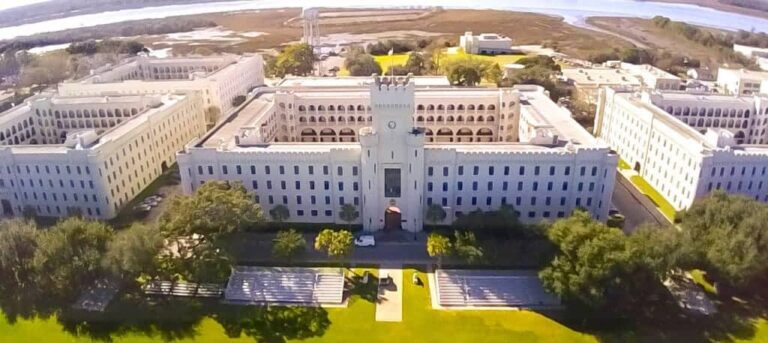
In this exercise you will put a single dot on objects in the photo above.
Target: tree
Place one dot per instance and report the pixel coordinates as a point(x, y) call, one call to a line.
point(17, 251)
point(133, 251)
point(279, 213)
point(348, 213)
point(417, 64)
point(216, 209)
point(238, 100)
point(358, 63)
point(287, 244)
point(68, 256)
point(494, 74)
point(438, 246)
point(296, 59)
point(212, 114)
point(466, 247)
point(465, 71)
point(337, 244)
point(727, 236)
point(590, 254)
point(435, 214)
point(195, 225)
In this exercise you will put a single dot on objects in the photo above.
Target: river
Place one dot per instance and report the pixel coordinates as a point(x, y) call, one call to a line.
point(573, 11)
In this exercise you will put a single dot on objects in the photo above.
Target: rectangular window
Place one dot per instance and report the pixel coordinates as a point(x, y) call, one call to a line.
point(445, 171)
point(490, 170)
point(460, 185)
point(522, 170)
point(224, 170)
point(239, 170)
point(461, 170)
point(430, 171)
point(298, 185)
point(458, 201)
point(295, 170)
point(340, 171)
point(392, 182)
point(311, 170)
point(281, 170)
point(354, 170)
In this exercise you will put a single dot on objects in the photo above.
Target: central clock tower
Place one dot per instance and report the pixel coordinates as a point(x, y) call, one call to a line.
point(392, 159)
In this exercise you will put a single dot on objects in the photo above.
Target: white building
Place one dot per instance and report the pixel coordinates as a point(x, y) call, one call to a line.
point(219, 79)
point(741, 81)
point(760, 55)
point(392, 147)
point(90, 155)
point(485, 43)
point(589, 81)
point(686, 145)
point(652, 77)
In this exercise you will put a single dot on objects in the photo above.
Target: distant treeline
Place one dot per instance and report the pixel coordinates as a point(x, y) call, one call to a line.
point(761, 5)
point(708, 38)
point(54, 9)
point(125, 29)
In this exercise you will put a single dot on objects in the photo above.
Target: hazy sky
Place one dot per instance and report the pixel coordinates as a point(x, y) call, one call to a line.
point(15, 3)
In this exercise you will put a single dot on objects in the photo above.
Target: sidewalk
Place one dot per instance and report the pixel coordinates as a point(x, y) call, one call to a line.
point(389, 307)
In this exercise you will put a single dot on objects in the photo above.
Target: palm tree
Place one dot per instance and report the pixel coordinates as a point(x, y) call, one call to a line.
point(438, 246)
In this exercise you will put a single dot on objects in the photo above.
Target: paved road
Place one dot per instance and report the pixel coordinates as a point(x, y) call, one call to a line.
point(399, 248)
point(633, 210)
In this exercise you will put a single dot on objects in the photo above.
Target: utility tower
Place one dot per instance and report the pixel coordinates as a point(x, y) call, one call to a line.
point(311, 19)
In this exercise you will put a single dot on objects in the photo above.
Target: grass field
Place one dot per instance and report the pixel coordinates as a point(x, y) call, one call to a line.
point(355, 323)
point(664, 206)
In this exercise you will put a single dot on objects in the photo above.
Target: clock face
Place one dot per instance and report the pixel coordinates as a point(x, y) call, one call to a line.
point(392, 125)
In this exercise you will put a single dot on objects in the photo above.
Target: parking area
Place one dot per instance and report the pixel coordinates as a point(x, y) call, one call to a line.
point(497, 289)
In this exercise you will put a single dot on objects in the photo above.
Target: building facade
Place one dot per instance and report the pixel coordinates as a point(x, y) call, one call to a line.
point(485, 43)
point(218, 79)
point(589, 81)
point(393, 147)
point(90, 155)
point(687, 145)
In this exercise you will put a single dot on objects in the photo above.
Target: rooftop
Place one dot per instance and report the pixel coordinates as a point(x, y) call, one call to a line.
point(292, 82)
point(600, 76)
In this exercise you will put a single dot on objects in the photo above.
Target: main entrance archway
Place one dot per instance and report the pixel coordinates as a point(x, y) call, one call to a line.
point(392, 218)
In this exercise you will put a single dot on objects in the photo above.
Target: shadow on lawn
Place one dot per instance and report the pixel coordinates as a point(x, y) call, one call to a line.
point(666, 322)
point(355, 286)
point(172, 319)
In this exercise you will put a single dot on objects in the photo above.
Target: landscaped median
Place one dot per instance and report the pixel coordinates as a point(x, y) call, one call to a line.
point(644, 187)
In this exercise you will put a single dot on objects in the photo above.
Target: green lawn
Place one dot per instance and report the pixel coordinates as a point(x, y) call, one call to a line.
point(180, 323)
point(400, 59)
point(623, 165)
point(664, 206)
point(355, 323)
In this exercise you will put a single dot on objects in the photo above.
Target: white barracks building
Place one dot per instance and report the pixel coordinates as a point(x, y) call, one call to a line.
point(219, 79)
point(90, 155)
point(392, 147)
point(687, 145)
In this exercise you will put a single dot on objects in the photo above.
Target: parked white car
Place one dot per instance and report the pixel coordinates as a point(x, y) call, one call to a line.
point(365, 241)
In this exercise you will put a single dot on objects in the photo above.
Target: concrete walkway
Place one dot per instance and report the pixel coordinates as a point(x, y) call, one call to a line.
point(389, 306)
